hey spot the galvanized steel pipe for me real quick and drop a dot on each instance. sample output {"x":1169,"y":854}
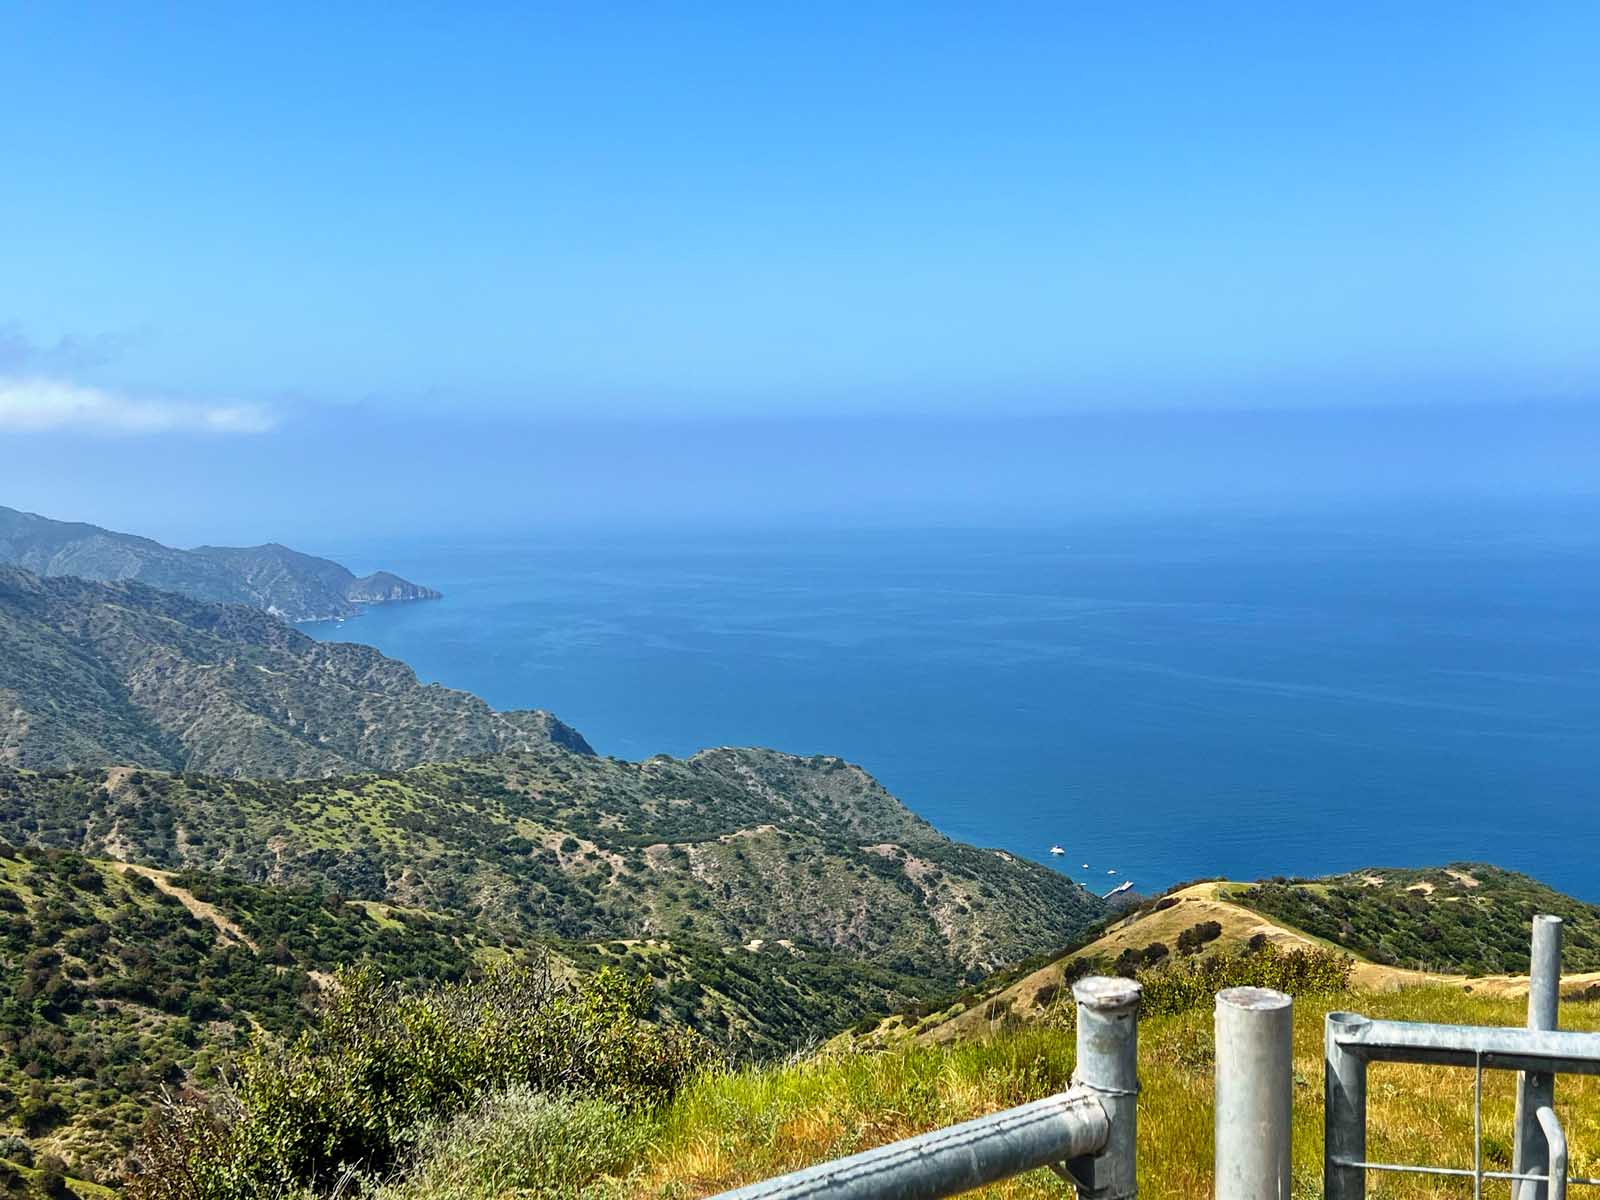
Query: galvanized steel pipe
{"x":1537,"y":1089}
{"x":1344,"y":1121}
{"x":953,"y":1160}
{"x":1555,"y":1140}
{"x":1108,"y":1066}
{"x":1500,"y":1049}
{"x":1088,"y":1130}
{"x":1254,"y":1093}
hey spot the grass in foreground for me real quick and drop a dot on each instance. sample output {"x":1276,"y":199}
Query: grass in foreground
{"x":730,"y":1129}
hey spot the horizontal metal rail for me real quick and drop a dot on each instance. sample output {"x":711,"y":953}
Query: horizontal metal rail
{"x":1087,"y":1134}
{"x":1549,"y":1050}
{"x":1540,"y":1052}
{"x":953,"y":1160}
{"x":1460,"y":1172}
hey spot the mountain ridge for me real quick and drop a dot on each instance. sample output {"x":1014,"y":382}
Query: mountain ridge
{"x":123,"y":673}
{"x":289,"y":584}
{"x":1463,"y":925}
{"x":729,"y":846}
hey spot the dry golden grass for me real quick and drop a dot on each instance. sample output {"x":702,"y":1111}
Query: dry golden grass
{"x":734,"y":1129}
{"x":1207,"y":901}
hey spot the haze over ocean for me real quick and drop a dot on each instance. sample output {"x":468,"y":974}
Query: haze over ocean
{"x":1164,"y":697}
{"x":913,"y":267}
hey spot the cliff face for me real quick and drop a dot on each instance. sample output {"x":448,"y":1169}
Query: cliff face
{"x":301,"y":587}
{"x":284,"y":582}
{"x":95,"y":673}
{"x":384,"y":587}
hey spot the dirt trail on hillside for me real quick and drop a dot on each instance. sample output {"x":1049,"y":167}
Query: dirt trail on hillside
{"x":1030,"y":996}
{"x":1365,"y":976}
{"x":199,"y":908}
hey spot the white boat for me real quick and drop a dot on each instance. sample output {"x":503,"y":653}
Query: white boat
{"x":1057,"y":850}
{"x":1085,"y":866}
{"x":1110,"y":872}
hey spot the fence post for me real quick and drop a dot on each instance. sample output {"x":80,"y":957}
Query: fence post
{"x":1108,"y":1066}
{"x":1254,"y":1093}
{"x":1345,"y":1115}
{"x":1536,"y":1089}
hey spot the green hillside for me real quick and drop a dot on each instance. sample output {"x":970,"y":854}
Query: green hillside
{"x":114,"y":988}
{"x":1467,"y":918}
{"x":728,"y":847}
{"x":274,"y":578}
{"x":95,"y":674}
{"x":123,"y":981}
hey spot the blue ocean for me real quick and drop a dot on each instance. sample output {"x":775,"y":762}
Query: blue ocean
{"x":1164,"y":697}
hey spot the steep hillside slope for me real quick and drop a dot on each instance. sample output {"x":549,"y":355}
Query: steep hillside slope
{"x":1469,"y":918}
{"x":730,"y":846}
{"x":281,"y":581}
{"x":1470,"y":921}
{"x":96,"y":673}
{"x":124,"y":980}
{"x":120,"y":982}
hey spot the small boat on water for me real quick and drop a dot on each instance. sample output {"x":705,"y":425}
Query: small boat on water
{"x":1112,"y":872}
{"x":1057,"y":850}
{"x":1085,"y":866}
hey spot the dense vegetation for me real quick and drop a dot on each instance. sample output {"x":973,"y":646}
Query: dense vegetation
{"x":1175,"y":985}
{"x":98,"y":673}
{"x":120,"y":983}
{"x":752,"y":1004}
{"x":1468,"y":917}
{"x":352,"y":1094}
{"x":729,"y":847}
{"x":113,"y":987}
{"x":1190,"y":983}
{"x":274,"y":578}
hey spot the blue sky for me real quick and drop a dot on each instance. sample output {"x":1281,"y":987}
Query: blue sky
{"x":422,"y":231}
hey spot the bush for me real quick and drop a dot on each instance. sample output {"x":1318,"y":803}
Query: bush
{"x":1198,"y":935}
{"x":1182,"y":985}
{"x":17,"y":1149}
{"x":351,"y":1094}
{"x":522,"y":1143}
{"x":51,"y":1181}
{"x":1192,"y":984}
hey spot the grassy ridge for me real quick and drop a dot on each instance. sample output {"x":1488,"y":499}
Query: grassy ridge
{"x":736,"y":1128}
{"x":1467,"y":918}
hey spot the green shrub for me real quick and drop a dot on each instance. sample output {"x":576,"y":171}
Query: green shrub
{"x":1198,"y":935}
{"x":1192,"y":984}
{"x":51,"y":1181}
{"x":17,"y":1149}
{"x":1182,"y":985}
{"x":350,"y":1095}
{"x":520,"y":1142}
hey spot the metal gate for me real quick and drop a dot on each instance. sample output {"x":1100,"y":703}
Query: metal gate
{"x":1088,"y":1134}
{"x":1540,"y":1053}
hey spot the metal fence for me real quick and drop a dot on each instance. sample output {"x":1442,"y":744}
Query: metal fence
{"x":1540,"y":1053}
{"x":1088,"y":1134}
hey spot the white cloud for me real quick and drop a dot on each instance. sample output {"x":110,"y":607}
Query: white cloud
{"x":39,"y":405}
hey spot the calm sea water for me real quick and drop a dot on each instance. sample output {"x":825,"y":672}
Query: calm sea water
{"x":1164,"y":698}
